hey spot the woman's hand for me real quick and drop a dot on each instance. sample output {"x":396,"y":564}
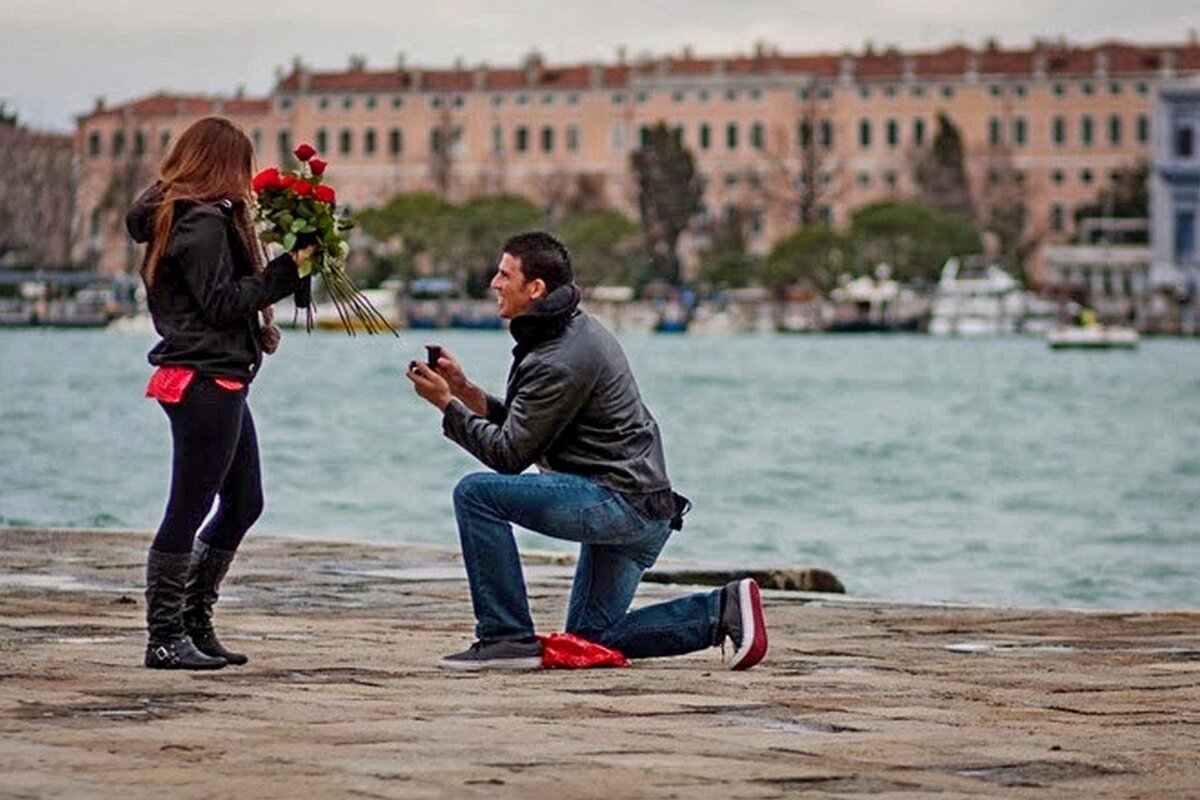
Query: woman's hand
{"x":304,"y":254}
{"x":270,"y":331}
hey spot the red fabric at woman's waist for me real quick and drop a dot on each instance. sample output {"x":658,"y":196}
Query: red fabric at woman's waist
{"x":168,"y":384}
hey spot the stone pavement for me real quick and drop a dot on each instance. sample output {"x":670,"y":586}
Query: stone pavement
{"x":342,"y":697}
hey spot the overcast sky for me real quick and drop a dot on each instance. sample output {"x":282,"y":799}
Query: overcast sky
{"x":57,"y":56}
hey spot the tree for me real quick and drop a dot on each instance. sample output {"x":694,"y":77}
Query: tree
{"x":940,"y":172}
{"x":37,"y":197}
{"x":1003,"y":208}
{"x":914,"y":238}
{"x":604,"y":247}
{"x":815,"y":255}
{"x":725,"y":263}
{"x":669,"y":196}
{"x":443,"y":143}
{"x":1126,"y":195}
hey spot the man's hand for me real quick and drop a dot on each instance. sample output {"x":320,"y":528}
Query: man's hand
{"x":430,"y":385}
{"x":472,"y":396}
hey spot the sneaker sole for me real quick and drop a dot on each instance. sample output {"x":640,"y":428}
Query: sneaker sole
{"x":498,"y":663}
{"x":754,"y":627}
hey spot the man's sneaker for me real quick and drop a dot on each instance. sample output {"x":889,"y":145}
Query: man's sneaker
{"x":742,"y":621}
{"x":497,"y":655}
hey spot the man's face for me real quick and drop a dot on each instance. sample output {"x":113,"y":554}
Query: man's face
{"x":514,"y":294}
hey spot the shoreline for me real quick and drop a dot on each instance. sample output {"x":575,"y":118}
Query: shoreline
{"x":342,"y":696}
{"x":662,"y":567}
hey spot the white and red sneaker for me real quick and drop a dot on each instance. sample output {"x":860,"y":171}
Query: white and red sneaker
{"x":743,"y":622}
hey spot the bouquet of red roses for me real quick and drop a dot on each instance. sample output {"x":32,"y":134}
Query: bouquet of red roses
{"x":297,"y":209}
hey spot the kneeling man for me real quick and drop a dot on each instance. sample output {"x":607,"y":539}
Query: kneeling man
{"x":572,"y":407}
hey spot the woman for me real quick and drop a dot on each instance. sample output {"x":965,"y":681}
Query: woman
{"x":206,"y":286}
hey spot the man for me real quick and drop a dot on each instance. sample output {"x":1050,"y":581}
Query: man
{"x":572,"y":408}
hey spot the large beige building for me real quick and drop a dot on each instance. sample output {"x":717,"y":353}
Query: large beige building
{"x":772,"y":133}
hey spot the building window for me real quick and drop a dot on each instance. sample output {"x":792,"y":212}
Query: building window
{"x":139,"y":143}
{"x":1114,"y":130}
{"x":1059,"y":128}
{"x":1143,"y":88}
{"x":435,"y":102}
{"x":995,"y":90}
{"x":994,"y":131}
{"x":1057,"y":218}
{"x":284,"y":138}
{"x":1087,"y":89}
{"x":1185,"y":236}
{"x":1114,"y":88}
{"x":643,"y":98}
{"x":864,"y":180}
{"x":371,"y":102}
{"x":573,"y":99}
{"x":397,"y":102}
{"x":757,"y":136}
{"x":285,"y":103}
{"x":323,"y":103}
{"x":947,"y":92}
{"x":891,"y":179}
{"x":547,"y":99}
{"x":827,"y":134}
{"x":547,"y":139}
{"x":618,"y":99}
{"x":573,"y":138}
{"x":893,"y":133}
{"x":1086,"y":176}
{"x":1087,"y":130}
{"x":459,"y":100}
{"x":889,"y":91}
{"x":1143,"y":128}
{"x":677,"y":97}
{"x":322,"y":141}
{"x":731,"y":95}
{"x":256,"y":139}
{"x":731,"y":136}
{"x":118,"y":144}
{"x":1020,"y":131}
{"x":395,"y":141}
{"x":1019,"y":89}
{"x":756,"y":95}
{"x":864,"y":133}
{"x":643,"y":136}
{"x":619,"y":137}
{"x":347,"y":103}
{"x":864,"y":92}
{"x":804,"y":134}
{"x":497,"y":100}
{"x":1059,"y":90}
{"x":369,"y":141}
{"x":1058,"y":176}
{"x":94,"y":226}
{"x":705,"y":136}
{"x":345,"y":141}
{"x":164,"y":140}
{"x":918,"y":91}
{"x":497,"y":139}
{"x":521,"y":139}
{"x":702,"y":95}
{"x":826,"y":93}
{"x":94,"y":144}
{"x":918,"y":131}
{"x":1185,"y":145}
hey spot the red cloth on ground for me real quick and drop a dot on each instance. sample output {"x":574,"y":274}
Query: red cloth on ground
{"x":568,"y":651}
{"x":168,"y":384}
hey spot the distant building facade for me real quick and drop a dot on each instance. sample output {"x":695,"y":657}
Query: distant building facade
{"x":778,"y":136}
{"x":1175,"y":198}
{"x":37,"y":197}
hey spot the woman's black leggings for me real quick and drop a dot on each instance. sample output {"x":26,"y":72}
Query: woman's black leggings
{"x":215,"y":456}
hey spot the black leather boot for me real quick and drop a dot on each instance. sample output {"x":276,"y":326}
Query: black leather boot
{"x":208,"y":568}
{"x":169,"y":646}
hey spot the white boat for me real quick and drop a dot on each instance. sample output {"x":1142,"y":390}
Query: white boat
{"x":975,"y":298}
{"x":1096,"y":337}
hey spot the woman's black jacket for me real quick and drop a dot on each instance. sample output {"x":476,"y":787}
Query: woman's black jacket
{"x":205,"y":296}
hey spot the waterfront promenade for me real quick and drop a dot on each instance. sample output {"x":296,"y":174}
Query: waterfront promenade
{"x":342,"y":699}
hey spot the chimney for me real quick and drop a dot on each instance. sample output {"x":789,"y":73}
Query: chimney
{"x":98,"y":108}
{"x":846,"y":70}
{"x":358,"y":63}
{"x":1101,"y":62}
{"x":481,"y":76}
{"x":533,"y":68}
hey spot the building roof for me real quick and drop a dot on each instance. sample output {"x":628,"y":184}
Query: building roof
{"x":184,"y":105}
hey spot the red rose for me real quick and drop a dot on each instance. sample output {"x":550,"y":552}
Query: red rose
{"x":286,"y":182}
{"x":267,"y":179}
{"x":317,"y":166}
{"x":325,"y":194}
{"x":304,"y":152}
{"x":302,"y":188}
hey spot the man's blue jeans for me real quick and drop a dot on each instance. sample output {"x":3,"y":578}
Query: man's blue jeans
{"x":617,"y":544}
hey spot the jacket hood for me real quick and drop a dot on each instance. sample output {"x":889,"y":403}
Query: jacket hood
{"x":140,"y":219}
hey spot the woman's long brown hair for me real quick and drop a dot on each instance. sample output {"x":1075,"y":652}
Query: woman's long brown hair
{"x":212,"y":160}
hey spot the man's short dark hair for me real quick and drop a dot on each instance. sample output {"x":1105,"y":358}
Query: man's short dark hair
{"x":542,"y":256}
